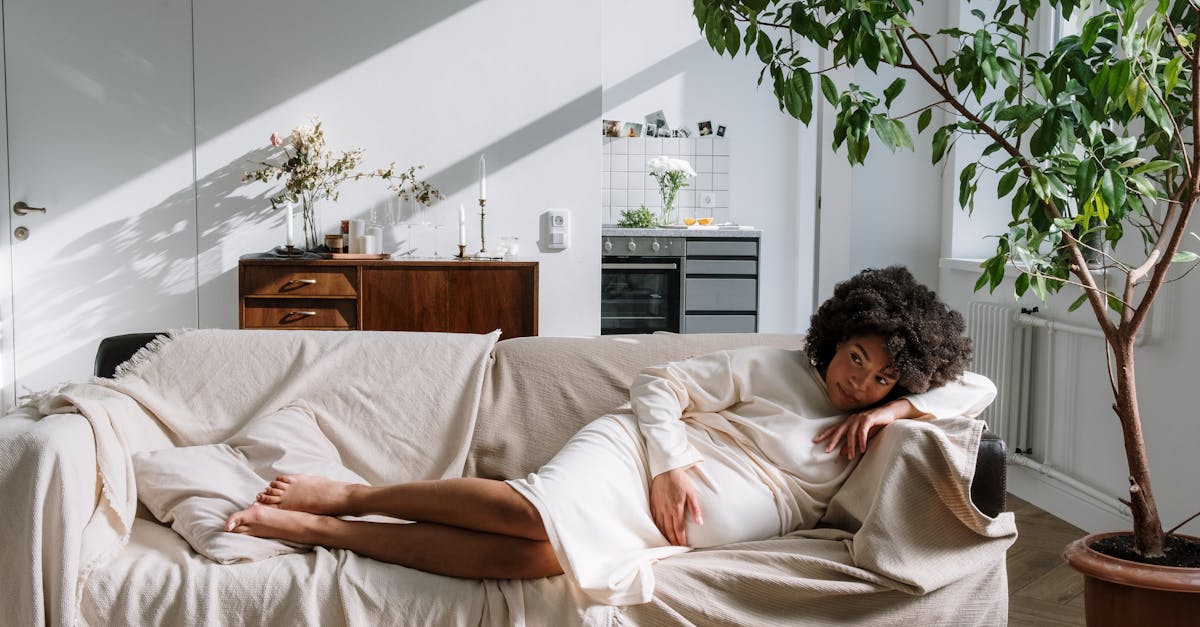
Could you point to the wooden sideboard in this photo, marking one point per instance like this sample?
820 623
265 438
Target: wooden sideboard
386 295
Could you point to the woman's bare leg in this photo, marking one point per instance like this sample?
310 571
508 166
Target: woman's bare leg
430 547
472 503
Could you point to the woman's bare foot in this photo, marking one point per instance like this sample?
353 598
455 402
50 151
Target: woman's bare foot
306 493
261 521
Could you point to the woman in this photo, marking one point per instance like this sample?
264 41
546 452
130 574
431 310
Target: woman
733 446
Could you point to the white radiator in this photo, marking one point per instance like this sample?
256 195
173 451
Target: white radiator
1004 353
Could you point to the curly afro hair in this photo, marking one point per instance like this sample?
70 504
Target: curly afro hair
923 336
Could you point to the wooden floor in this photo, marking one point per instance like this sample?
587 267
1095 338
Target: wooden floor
1042 590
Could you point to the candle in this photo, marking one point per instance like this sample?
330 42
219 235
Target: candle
462 225
289 224
482 178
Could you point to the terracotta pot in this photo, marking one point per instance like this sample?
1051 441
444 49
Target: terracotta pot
1121 592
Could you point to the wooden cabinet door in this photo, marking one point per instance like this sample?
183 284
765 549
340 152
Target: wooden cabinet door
483 299
404 299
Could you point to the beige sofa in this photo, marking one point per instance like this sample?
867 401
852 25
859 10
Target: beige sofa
903 543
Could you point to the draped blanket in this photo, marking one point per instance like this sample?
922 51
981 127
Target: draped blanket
397 406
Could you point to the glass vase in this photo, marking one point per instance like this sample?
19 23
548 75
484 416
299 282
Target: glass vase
310 219
666 215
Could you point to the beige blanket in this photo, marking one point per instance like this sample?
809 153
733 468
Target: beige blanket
398 407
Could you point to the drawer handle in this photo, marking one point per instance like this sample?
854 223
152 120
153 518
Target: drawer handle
302 314
295 284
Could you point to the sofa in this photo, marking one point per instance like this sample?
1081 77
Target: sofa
916 535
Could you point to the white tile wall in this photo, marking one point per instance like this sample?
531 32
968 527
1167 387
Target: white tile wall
626 183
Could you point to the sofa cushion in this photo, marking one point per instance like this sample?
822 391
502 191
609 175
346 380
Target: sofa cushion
196 488
539 391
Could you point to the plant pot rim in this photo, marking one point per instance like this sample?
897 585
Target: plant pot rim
1092 563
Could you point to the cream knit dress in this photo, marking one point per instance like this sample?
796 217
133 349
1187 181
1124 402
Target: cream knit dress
746 419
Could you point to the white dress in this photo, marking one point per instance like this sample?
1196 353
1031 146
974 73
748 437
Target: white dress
749 416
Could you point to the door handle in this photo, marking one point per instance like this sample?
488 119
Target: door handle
20 208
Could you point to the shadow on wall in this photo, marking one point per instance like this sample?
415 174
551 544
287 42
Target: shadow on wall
144 254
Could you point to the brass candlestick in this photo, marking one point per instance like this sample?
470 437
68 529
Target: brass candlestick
482 215
462 251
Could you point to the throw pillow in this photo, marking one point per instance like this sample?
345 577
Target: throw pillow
196 488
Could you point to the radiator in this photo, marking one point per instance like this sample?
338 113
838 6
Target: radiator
1004 353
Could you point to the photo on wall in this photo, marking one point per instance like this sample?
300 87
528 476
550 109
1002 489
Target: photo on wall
659 121
611 128
632 129
705 128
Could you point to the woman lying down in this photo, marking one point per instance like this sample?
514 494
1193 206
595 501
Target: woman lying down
733 446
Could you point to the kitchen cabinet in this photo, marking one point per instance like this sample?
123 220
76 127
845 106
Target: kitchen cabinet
386 295
720 285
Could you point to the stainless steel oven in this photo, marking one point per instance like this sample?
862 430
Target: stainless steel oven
641 283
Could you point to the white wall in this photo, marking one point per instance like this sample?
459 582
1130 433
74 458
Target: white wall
433 83
655 58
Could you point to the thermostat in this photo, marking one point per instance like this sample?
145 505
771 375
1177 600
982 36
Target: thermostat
558 229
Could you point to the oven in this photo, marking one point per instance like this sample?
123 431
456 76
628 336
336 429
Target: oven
641 283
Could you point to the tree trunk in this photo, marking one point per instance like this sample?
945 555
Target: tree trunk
1148 534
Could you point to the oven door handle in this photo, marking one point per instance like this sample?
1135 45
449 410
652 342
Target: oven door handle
638 266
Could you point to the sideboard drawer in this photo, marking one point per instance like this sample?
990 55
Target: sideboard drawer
296 313
300 281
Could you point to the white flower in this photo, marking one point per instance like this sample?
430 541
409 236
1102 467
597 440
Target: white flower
666 165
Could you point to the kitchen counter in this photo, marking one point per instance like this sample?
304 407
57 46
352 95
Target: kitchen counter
613 231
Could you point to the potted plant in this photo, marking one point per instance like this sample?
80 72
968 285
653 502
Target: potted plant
1093 140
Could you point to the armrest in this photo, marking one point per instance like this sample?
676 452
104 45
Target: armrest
989 487
49 489
116 350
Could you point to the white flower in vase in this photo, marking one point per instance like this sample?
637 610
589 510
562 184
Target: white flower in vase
672 175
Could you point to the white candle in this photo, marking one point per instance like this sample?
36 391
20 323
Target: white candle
482 178
462 225
289 224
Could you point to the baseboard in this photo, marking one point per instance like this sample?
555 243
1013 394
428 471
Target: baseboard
1064 501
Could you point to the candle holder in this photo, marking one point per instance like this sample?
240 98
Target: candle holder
462 251
287 250
482 216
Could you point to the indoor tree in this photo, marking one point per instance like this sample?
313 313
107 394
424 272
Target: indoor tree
1094 141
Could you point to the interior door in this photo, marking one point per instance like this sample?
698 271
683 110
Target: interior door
101 134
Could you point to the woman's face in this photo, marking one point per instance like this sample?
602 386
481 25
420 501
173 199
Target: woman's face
860 374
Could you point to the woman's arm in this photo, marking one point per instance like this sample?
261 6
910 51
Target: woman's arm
660 396
967 396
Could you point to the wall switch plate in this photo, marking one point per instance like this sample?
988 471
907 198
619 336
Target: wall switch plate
558 229
707 199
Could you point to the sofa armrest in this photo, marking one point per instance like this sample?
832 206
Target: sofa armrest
117 349
49 489
989 486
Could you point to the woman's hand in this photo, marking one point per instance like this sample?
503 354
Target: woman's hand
852 433
671 497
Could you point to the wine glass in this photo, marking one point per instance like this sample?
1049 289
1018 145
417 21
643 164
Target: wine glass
437 226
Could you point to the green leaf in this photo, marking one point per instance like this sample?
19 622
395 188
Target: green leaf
892 91
1021 285
1157 165
965 185
924 119
1040 185
1135 94
714 31
733 37
1184 256
1075 304
765 49
1091 29
829 90
940 138
1085 179
1007 182
1171 72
